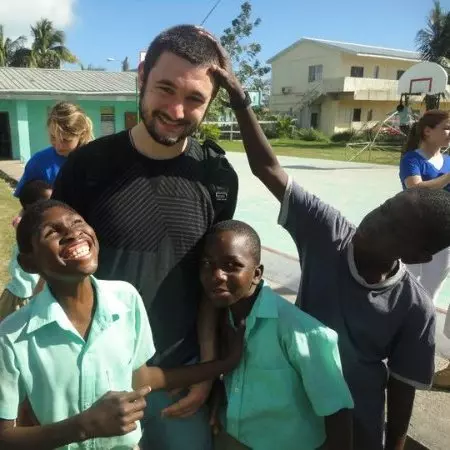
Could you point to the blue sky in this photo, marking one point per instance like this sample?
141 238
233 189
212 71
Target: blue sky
101 29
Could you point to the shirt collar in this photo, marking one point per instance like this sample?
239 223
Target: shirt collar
45 309
400 271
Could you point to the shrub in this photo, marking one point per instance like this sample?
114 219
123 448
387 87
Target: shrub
210 131
284 127
343 136
310 134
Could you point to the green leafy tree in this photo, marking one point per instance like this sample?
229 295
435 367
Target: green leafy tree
125 65
48 49
433 43
11 50
92 67
249 70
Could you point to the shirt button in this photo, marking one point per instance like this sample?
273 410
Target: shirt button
236 389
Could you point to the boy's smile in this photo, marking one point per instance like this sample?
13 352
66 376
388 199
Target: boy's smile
64 245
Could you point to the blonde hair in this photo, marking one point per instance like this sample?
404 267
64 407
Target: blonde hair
67 119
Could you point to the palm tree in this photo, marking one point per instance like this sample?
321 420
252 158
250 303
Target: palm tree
11 51
48 50
433 43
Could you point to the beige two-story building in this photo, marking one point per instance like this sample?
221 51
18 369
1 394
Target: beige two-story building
335 86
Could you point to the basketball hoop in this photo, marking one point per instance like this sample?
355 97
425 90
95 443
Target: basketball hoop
425 78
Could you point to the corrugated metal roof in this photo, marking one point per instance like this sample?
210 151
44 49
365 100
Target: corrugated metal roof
84 82
360 49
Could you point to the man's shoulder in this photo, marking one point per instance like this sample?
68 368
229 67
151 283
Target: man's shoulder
102 148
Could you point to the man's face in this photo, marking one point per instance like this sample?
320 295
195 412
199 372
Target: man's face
175 98
228 271
65 247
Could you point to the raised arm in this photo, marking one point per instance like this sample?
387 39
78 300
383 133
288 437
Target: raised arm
262 160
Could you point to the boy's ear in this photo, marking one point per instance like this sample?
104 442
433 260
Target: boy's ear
259 271
26 261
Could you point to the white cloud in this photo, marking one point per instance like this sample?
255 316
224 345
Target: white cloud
17 15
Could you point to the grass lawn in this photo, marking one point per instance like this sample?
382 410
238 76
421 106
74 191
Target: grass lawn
9 207
320 150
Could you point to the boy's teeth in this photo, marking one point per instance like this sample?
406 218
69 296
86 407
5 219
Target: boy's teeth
78 252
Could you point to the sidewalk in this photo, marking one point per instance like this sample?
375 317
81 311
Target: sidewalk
430 424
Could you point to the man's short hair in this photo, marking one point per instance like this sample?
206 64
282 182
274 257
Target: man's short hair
184 41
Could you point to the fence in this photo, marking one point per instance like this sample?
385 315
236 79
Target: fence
230 130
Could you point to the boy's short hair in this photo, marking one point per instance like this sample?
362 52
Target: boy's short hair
242 229
184 41
32 192
31 221
432 214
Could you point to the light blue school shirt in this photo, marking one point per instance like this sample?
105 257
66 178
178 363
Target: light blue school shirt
288 380
44 358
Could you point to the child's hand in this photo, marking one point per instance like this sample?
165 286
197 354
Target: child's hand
114 414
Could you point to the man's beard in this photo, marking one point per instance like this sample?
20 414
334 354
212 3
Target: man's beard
151 127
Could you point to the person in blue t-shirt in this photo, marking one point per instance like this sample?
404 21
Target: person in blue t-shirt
423 164
69 128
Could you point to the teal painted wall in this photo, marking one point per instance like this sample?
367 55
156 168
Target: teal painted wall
28 121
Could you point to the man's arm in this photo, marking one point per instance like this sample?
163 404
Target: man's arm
339 430
400 401
114 414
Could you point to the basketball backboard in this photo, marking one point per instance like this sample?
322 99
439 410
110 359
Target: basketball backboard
423 78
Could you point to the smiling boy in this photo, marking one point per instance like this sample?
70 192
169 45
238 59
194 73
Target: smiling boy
79 348
288 388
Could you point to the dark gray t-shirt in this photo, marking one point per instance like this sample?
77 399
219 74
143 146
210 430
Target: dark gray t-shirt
384 328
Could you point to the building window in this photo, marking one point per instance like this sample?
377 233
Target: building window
356 115
315 73
107 121
370 115
376 71
399 74
357 71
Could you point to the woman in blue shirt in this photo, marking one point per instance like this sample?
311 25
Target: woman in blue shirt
423 164
68 128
